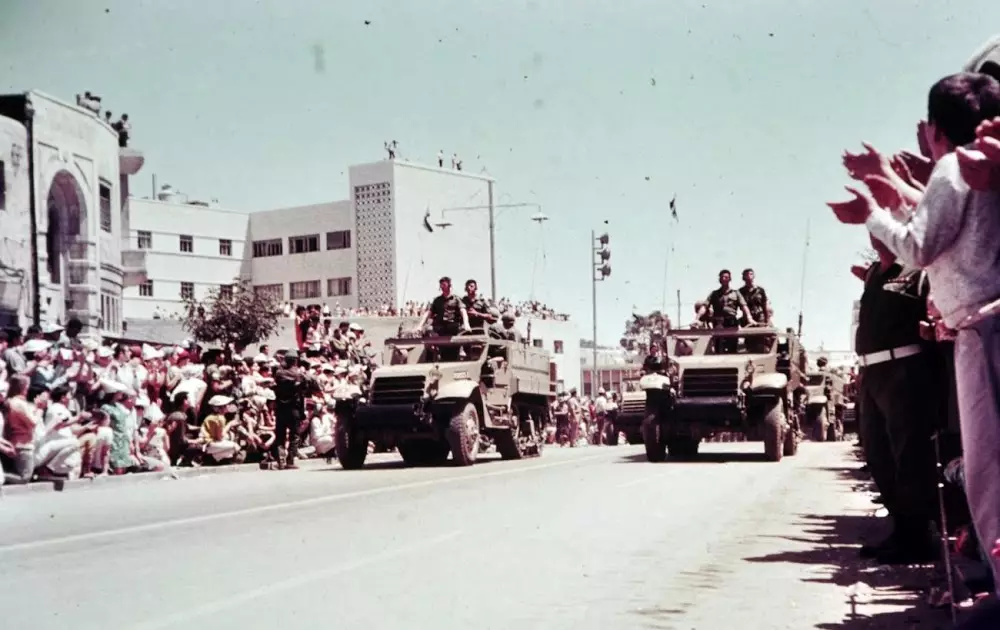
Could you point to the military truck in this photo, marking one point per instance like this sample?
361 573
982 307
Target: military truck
631 411
724 381
825 406
441 395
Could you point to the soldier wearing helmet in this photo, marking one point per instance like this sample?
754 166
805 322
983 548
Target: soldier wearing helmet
505 328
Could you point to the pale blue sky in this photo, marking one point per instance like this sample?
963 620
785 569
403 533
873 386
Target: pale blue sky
753 102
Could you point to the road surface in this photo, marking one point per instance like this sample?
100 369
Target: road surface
589 538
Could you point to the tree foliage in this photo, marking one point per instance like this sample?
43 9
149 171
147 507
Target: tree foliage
639 328
236 316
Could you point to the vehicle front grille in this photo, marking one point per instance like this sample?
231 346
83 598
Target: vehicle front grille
850 415
633 406
710 382
397 390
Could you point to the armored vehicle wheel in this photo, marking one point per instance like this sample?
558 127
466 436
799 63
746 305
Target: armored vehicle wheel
682 447
463 435
350 446
835 432
820 426
773 427
423 452
656 446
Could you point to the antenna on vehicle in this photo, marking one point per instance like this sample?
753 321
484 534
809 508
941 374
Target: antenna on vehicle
802 286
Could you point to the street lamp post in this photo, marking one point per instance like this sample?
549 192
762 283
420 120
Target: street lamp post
600 270
491 207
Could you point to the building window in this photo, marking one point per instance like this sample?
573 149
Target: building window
557 346
105 192
146 289
263 249
78 274
225 247
303 290
187 290
3 186
537 343
338 286
303 244
187 243
275 292
338 240
144 240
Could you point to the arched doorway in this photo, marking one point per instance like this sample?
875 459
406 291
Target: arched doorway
66 225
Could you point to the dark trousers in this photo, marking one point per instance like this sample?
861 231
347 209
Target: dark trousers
900 409
286 423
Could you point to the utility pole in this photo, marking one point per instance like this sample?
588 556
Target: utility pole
679 308
493 244
599 271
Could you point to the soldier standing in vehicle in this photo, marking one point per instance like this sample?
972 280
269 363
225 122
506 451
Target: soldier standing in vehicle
290 387
727 305
448 317
756 299
476 307
505 329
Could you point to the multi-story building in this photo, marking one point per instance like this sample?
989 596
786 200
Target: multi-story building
305 255
63 253
614 365
191 248
562 339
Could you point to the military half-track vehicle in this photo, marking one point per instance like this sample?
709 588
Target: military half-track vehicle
724 381
631 411
440 395
825 406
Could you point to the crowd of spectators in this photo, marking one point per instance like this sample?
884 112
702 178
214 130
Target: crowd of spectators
934 219
528 308
72 406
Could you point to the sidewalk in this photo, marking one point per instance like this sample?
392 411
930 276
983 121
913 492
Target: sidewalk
134 478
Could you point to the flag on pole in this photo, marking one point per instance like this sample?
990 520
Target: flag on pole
427 221
673 208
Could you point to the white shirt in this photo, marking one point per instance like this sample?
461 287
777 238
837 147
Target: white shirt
601 404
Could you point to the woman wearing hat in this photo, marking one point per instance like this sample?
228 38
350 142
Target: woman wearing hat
115 394
216 430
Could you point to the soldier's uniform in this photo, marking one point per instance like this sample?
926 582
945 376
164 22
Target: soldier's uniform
476 308
446 315
900 403
727 306
756 301
290 387
505 329
653 363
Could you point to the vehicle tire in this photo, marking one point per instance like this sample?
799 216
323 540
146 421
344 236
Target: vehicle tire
508 444
652 438
463 435
682 447
423 452
773 428
634 437
835 432
820 425
350 446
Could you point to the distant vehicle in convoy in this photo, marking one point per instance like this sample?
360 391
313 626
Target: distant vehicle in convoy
825 406
631 411
724 381
441 395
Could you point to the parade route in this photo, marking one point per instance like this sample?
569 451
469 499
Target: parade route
579 538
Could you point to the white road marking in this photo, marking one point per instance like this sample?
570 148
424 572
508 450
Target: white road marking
261 509
185 616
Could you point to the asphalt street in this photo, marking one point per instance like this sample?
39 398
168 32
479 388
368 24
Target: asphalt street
582 538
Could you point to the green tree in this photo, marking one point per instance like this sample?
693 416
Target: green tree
639 328
234 316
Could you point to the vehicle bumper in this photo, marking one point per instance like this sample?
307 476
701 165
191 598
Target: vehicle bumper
397 418
721 411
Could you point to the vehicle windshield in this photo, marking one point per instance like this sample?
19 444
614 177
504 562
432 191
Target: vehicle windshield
631 385
753 344
420 352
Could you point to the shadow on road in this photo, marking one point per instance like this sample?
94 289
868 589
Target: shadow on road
701 458
833 546
398 464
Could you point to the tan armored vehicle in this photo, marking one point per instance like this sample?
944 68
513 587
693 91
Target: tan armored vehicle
825 406
438 395
631 411
724 381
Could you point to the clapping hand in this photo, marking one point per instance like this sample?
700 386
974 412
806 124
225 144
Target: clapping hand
862 165
884 192
853 212
980 165
859 271
918 167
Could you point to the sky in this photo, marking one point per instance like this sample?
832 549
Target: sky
597 111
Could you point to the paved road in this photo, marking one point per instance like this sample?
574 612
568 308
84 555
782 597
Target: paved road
580 538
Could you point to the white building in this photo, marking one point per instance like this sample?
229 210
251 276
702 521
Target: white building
562 339
77 264
305 255
191 248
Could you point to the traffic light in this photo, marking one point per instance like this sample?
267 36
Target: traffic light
602 250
